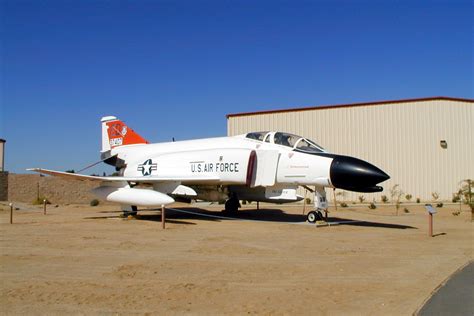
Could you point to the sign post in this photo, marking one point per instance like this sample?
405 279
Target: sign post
430 209
44 207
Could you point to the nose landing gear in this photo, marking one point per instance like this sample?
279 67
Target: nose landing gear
320 204
314 216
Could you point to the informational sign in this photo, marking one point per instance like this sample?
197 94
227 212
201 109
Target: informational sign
430 209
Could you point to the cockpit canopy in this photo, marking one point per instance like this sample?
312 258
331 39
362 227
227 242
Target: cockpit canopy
286 139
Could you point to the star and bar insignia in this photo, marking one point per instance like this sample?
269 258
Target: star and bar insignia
147 167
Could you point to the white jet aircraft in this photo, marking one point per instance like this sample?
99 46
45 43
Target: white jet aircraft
258 166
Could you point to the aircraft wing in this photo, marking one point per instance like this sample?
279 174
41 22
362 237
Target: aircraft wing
151 179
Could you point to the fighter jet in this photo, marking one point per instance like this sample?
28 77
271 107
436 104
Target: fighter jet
258 166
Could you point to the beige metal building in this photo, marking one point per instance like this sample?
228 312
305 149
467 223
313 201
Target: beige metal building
425 145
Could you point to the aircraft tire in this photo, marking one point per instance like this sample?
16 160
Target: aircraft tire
232 206
312 217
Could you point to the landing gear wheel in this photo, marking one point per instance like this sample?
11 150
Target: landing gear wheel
133 212
321 217
232 206
312 217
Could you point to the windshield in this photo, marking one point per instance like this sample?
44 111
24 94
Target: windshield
308 146
256 135
286 139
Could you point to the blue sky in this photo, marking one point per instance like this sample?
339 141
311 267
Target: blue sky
176 68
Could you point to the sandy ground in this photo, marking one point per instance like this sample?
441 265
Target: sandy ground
86 260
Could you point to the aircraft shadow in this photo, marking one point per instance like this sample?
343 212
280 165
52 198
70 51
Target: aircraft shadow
269 215
264 215
180 215
142 217
368 224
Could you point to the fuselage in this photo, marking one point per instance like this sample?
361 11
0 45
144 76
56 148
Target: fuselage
226 161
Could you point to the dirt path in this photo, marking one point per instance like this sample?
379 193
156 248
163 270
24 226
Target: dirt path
79 259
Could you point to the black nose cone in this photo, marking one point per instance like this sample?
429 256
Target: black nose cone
353 174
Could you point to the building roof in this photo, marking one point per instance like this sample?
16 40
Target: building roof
2 140
322 107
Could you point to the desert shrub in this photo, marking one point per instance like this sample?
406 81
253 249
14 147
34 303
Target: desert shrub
456 197
343 204
406 210
396 193
361 198
418 200
408 197
440 204
467 194
40 201
384 198
456 213
94 202
372 206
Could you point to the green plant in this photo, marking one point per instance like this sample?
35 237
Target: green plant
468 194
384 198
418 200
361 198
456 213
440 204
408 197
343 204
94 202
40 201
372 206
406 210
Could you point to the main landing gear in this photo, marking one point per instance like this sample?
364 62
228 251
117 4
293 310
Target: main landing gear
129 210
232 205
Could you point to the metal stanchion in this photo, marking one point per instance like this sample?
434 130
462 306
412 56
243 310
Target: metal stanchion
304 201
430 224
163 216
11 213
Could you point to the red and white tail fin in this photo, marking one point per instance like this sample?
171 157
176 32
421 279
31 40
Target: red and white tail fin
115 133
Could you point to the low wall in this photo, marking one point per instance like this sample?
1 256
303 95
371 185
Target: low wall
3 186
27 187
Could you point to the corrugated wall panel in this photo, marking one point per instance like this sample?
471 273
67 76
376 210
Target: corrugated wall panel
401 138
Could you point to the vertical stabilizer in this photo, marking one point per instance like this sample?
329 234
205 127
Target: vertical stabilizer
116 133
